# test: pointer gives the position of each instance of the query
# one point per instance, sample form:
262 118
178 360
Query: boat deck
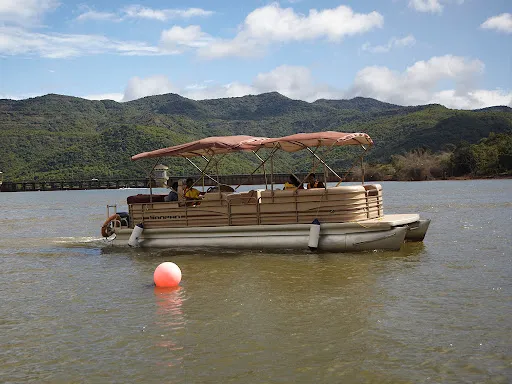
393 220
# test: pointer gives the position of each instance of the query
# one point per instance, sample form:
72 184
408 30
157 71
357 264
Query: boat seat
373 189
243 198
213 199
144 198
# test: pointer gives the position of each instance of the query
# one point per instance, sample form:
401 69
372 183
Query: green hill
54 136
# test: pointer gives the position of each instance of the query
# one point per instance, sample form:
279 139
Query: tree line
490 157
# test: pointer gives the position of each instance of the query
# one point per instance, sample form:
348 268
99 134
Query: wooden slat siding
340 204
362 207
359 204
304 206
204 217
244 214
367 205
190 216
374 207
327 207
375 191
244 208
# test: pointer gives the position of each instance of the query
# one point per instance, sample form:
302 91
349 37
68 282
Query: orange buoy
106 230
167 275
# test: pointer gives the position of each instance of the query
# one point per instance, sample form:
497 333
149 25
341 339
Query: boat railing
334 204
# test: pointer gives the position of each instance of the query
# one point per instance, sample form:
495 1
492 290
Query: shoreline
4 188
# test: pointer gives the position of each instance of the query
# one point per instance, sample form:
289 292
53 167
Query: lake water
75 309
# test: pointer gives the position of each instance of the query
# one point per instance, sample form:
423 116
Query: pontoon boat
334 218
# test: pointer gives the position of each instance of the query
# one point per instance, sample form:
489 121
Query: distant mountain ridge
362 104
56 135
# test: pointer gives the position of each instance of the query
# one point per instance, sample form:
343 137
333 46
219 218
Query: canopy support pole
272 175
362 163
259 166
353 165
362 170
324 163
200 170
151 183
262 164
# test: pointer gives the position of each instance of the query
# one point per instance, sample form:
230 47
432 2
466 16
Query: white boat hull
386 234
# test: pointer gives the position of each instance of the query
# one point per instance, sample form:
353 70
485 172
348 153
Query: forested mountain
54 136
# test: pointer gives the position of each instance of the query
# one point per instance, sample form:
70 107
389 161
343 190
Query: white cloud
419 83
295 82
475 99
432 6
21 96
190 36
239 46
25 12
140 12
426 5
275 24
261 27
501 23
392 43
99 16
17 41
154 85
105 96
216 91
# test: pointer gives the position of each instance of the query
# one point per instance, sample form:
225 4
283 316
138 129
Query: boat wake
85 241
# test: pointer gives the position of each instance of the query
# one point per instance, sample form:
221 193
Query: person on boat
313 182
293 183
189 192
173 193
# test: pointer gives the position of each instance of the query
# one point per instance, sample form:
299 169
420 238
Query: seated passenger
293 183
189 192
173 194
313 182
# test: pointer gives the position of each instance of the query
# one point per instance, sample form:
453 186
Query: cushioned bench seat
143 198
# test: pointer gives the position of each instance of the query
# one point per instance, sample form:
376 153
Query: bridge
40 185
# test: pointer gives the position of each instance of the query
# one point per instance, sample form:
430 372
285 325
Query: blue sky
454 52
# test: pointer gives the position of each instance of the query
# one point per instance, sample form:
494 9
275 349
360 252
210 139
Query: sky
457 53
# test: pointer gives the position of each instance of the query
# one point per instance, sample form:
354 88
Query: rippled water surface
74 309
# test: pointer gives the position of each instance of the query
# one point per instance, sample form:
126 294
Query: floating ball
167 275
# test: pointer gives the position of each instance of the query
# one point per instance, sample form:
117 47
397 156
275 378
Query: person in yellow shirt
189 192
293 183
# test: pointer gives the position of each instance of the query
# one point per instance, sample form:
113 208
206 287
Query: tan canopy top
224 144
206 147
300 141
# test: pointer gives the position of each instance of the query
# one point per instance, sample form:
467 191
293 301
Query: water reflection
170 324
